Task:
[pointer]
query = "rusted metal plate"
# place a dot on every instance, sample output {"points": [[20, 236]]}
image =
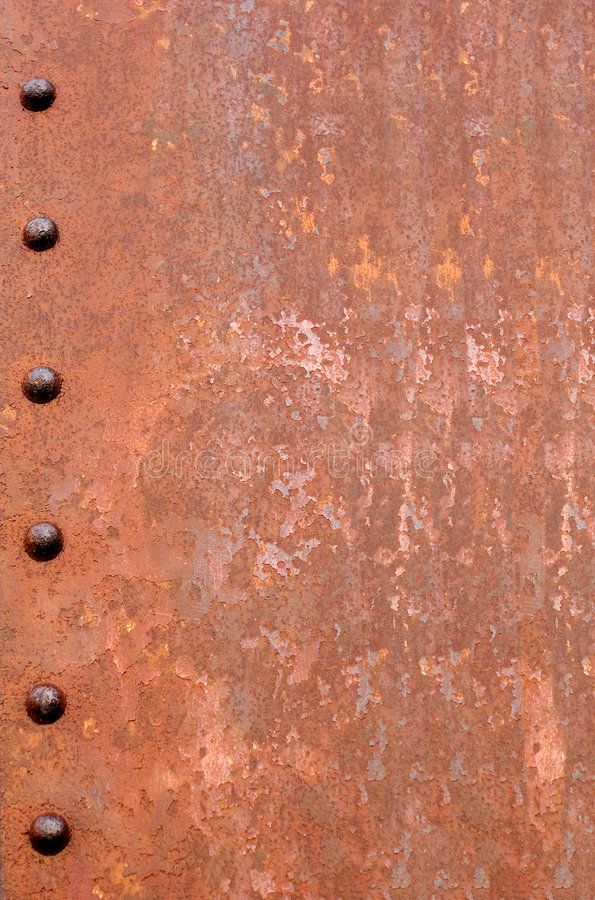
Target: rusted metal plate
{"points": [[320, 459]]}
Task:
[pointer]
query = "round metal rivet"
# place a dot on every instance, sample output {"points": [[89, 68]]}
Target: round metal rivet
{"points": [[45, 704], [42, 384], [43, 541], [40, 233], [49, 833], [37, 94]]}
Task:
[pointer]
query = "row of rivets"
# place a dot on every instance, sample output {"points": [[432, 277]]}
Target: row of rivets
{"points": [[49, 833]]}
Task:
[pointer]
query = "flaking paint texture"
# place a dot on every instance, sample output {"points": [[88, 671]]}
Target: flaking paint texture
{"points": [[321, 457]]}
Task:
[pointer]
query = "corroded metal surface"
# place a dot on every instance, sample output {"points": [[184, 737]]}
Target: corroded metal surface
{"points": [[320, 458]]}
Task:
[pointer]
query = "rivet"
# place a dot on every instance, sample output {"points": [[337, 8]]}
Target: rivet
{"points": [[40, 233], [49, 833], [43, 541], [45, 704], [42, 384], [37, 94]]}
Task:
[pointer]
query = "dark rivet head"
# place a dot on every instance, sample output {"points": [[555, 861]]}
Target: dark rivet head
{"points": [[38, 94], [45, 704], [43, 541], [40, 233], [42, 384], [49, 833]]}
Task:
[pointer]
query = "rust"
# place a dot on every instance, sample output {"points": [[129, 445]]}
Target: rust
{"points": [[43, 541], [45, 704], [323, 304], [49, 834], [40, 233], [42, 384], [37, 94]]}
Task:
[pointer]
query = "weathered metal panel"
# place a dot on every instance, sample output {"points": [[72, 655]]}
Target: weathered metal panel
{"points": [[320, 459]]}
